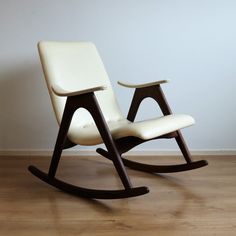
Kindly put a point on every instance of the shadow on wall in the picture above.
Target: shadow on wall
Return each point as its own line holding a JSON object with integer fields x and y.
{"x": 26, "y": 111}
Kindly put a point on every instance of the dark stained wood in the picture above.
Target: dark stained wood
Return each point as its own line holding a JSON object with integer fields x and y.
{"x": 155, "y": 92}
{"x": 157, "y": 168}
{"x": 115, "y": 148}
{"x": 89, "y": 102}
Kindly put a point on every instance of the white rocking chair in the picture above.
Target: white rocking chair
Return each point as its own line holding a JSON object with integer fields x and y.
{"x": 76, "y": 78}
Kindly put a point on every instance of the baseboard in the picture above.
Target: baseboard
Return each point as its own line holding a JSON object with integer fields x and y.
{"x": 41, "y": 152}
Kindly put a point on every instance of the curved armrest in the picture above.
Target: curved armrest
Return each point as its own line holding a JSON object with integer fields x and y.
{"x": 142, "y": 85}
{"x": 65, "y": 93}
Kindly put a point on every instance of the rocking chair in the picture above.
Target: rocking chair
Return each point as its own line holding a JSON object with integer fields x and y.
{"x": 88, "y": 114}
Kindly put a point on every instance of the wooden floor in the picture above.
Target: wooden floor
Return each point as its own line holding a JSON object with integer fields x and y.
{"x": 198, "y": 202}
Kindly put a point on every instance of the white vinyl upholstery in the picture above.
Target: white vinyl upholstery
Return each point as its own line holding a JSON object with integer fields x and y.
{"x": 66, "y": 93}
{"x": 148, "y": 129}
{"x": 128, "y": 85}
{"x": 73, "y": 68}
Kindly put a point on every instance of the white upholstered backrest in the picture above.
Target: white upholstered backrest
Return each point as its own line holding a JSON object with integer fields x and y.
{"x": 77, "y": 66}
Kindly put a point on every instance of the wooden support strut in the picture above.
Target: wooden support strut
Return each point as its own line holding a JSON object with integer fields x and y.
{"x": 89, "y": 102}
{"x": 125, "y": 144}
{"x": 155, "y": 92}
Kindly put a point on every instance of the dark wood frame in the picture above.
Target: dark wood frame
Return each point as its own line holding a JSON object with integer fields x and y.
{"x": 115, "y": 148}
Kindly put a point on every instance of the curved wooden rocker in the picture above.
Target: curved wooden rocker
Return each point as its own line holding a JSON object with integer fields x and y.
{"x": 157, "y": 168}
{"x": 75, "y": 77}
{"x": 85, "y": 192}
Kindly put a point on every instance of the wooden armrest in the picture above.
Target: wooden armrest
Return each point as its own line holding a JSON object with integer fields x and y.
{"x": 65, "y": 93}
{"x": 142, "y": 85}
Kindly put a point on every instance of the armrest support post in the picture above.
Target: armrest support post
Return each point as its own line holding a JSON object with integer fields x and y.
{"x": 90, "y": 103}
{"x": 155, "y": 92}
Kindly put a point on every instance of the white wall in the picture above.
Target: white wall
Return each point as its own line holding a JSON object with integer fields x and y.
{"x": 190, "y": 42}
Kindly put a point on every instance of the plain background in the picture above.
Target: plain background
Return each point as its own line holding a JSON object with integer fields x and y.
{"x": 190, "y": 42}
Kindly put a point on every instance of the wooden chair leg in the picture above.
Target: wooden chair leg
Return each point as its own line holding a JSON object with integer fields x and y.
{"x": 183, "y": 147}
{"x": 109, "y": 142}
{"x": 61, "y": 138}
{"x": 156, "y": 93}
{"x": 89, "y": 102}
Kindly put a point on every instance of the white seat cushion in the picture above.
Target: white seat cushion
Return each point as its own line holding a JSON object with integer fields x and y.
{"x": 148, "y": 129}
